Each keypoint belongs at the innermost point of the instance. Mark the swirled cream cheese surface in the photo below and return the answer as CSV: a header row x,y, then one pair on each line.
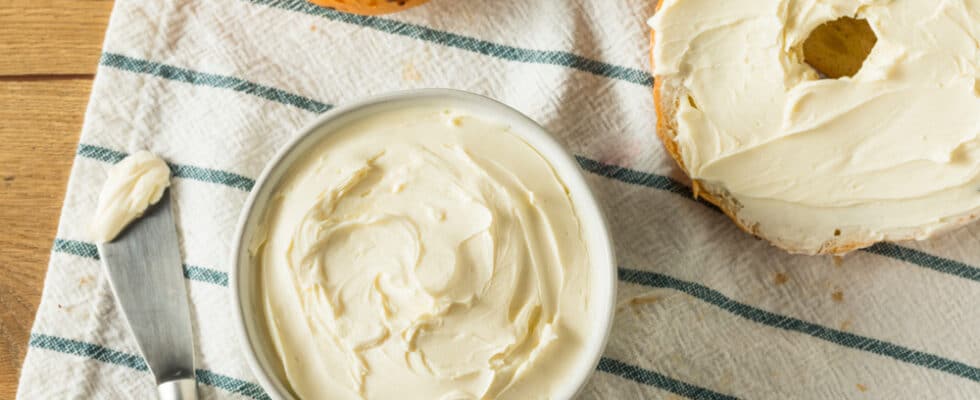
x,y
423,253
893,149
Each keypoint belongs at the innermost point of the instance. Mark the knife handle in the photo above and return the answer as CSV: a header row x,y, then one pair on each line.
x,y
180,389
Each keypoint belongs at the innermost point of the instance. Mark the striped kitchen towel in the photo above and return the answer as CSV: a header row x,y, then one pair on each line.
x,y
705,311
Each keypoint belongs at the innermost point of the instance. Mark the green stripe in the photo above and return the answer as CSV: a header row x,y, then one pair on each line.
x,y
88,350
252,390
880,347
927,260
204,274
89,250
234,385
178,170
109,356
640,178
656,379
633,177
122,62
213,176
100,153
889,250
75,247
479,46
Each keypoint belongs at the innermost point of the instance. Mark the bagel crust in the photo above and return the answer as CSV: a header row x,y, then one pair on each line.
x,y
368,7
833,232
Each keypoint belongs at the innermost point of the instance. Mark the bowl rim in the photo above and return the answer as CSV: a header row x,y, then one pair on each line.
x,y
561,160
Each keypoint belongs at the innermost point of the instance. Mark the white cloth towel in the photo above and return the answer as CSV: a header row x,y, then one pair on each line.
x,y
706,311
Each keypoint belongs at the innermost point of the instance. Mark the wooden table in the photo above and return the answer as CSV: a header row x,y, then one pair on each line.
x,y
49,50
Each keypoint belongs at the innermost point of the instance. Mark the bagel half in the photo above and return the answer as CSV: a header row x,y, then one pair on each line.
x,y
669,92
368,7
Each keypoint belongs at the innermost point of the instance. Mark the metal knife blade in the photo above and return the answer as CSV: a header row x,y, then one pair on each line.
x,y
146,274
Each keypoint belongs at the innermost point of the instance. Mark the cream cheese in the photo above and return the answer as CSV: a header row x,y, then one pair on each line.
x,y
131,186
893,150
423,253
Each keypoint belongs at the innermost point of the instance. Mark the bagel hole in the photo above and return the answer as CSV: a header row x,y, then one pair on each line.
x,y
839,48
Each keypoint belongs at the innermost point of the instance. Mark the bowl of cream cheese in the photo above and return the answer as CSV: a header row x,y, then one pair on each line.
x,y
426,244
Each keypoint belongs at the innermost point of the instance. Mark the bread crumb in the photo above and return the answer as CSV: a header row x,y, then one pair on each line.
x,y
727,379
845,325
312,28
780,278
862,387
648,299
409,73
838,296
640,300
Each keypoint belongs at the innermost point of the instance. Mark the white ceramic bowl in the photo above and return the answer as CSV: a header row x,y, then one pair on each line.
x,y
252,332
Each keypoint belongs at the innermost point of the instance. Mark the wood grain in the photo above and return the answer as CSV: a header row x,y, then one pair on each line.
x,y
39,126
49,51
51,37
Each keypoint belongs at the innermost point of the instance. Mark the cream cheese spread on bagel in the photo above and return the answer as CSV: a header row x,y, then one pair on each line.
x,y
825,165
424,253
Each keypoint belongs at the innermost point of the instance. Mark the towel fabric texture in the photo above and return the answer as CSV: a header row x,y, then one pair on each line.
x,y
705,311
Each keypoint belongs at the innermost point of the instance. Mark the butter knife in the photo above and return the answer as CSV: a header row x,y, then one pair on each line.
x,y
146,274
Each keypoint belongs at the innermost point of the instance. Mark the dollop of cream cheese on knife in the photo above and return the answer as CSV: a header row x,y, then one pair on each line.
x,y
424,254
133,184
